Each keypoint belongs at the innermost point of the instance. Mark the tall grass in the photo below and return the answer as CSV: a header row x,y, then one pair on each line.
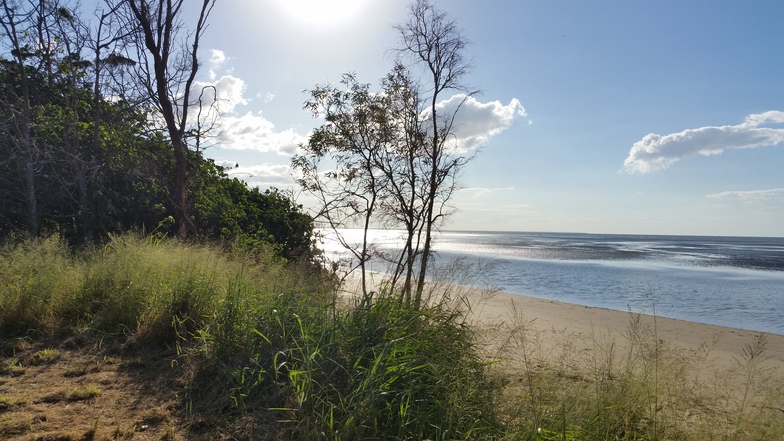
x,y
374,370
633,386
155,289
268,351
38,283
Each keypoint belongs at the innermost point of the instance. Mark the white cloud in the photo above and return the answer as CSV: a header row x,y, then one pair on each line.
x,y
226,164
481,191
228,92
217,58
254,132
477,122
251,131
264,175
775,194
655,152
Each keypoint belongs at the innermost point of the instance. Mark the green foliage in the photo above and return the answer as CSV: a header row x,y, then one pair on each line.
x,y
110,176
266,351
228,210
85,160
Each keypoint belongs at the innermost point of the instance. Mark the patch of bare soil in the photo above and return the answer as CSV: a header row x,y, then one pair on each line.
x,y
81,388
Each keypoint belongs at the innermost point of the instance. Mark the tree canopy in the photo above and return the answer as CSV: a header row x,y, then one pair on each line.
x,y
384,158
81,154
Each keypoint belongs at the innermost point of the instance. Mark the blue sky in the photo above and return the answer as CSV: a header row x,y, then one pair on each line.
x,y
650,117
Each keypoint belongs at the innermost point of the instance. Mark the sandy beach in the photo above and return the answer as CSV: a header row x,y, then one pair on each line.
x,y
553,323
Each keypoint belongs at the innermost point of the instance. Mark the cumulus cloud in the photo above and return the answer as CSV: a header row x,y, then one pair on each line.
x,y
227,164
217,58
477,122
254,132
775,194
225,94
655,152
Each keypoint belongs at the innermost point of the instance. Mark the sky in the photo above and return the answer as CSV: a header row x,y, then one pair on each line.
x,y
645,117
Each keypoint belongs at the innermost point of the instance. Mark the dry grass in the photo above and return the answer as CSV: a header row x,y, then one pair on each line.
x,y
116,395
636,387
154,339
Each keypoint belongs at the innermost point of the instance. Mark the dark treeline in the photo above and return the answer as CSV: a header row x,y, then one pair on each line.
x,y
84,152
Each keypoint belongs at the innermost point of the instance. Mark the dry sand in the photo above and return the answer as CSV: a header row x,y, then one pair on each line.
x,y
554,321
557,322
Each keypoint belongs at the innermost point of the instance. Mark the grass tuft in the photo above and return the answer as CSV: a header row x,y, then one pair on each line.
x,y
44,356
83,393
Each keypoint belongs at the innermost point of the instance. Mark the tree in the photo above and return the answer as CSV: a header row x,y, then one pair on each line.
x,y
82,152
19,24
354,134
225,209
435,43
404,165
42,102
393,154
167,70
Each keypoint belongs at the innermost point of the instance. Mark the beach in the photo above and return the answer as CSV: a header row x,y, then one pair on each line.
x,y
555,322
554,325
724,281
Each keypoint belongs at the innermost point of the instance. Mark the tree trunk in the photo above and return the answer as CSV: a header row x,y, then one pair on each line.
x,y
32,201
180,187
431,200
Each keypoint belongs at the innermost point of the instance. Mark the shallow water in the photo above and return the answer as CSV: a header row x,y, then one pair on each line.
x,y
727,281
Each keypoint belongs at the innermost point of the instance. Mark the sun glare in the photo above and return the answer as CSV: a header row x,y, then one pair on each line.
x,y
322,12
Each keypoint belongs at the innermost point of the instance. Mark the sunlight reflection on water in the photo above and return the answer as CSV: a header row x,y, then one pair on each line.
x,y
736,282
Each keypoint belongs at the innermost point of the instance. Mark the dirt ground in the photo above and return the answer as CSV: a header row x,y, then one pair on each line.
x,y
88,389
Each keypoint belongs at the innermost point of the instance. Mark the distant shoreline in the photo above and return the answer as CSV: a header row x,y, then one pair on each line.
x,y
585,233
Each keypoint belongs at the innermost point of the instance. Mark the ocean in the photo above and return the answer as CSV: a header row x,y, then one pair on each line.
x,y
736,282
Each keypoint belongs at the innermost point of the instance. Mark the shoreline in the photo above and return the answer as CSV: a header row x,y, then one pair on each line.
x,y
553,322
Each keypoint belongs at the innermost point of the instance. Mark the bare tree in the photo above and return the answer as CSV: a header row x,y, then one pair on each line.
x,y
167,69
435,44
19,117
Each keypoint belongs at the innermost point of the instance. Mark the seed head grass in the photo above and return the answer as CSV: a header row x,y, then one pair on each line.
x,y
266,350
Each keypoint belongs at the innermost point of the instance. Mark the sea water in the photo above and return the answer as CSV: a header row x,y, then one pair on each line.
x,y
728,281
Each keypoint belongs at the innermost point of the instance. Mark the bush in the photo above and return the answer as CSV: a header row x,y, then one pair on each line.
x,y
376,370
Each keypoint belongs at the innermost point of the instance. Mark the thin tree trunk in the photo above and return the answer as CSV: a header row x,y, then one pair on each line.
x,y
181,186
32,201
431,198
